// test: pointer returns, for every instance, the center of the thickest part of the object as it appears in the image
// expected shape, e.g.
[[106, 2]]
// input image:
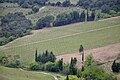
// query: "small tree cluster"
[[63, 19], [72, 68], [10, 61], [45, 57], [45, 22]]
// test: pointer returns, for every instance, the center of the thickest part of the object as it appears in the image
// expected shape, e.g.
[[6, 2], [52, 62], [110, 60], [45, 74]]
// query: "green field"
[[65, 40], [17, 74]]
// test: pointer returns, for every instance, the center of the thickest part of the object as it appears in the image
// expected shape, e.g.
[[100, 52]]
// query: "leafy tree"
[[14, 26], [92, 17], [35, 9], [116, 66], [26, 4], [82, 16], [89, 61], [45, 22], [60, 64], [92, 71], [58, 3], [79, 73], [105, 8], [75, 16], [51, 66], [34, 66], [72, 68], [62, 19], [66, 3]]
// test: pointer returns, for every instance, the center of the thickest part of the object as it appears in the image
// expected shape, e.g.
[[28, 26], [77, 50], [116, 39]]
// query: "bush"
[[35, 9], [72, 77], [51, 66], [15, 64], [34, 66], [116, 66]]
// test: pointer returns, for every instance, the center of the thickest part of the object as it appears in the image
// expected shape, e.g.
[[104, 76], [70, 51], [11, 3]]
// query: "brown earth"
[[102, 54]]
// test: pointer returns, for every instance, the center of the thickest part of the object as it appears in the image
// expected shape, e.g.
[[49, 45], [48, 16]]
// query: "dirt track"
[[102, 54]]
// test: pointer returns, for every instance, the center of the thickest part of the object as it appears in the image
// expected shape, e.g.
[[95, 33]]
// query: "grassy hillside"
[[67, 39], [50, 10], [17, 74]]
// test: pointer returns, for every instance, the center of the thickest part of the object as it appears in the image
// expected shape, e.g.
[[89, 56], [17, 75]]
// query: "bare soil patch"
[[102, 54]]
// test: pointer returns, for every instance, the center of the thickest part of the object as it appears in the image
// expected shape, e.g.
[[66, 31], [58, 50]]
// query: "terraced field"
[[65, 39]]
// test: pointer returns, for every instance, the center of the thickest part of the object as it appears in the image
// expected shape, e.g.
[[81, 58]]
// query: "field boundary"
[[4, 47]]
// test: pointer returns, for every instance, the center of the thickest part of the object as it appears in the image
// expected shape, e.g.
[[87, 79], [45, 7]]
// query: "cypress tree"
[[36, 60], [67, 78], [115, 67], [81, 50]]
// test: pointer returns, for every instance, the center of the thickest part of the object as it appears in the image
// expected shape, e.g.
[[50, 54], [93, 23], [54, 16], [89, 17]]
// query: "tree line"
[[104, 5], [46, 61], [64, 19]]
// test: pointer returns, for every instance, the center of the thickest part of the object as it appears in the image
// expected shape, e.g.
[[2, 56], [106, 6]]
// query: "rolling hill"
[[64, 40]]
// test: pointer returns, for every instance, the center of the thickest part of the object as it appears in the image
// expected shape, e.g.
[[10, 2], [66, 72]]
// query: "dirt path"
[[102, 54]]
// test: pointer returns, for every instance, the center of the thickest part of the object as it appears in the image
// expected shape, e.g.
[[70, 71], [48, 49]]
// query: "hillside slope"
[[65, 39]]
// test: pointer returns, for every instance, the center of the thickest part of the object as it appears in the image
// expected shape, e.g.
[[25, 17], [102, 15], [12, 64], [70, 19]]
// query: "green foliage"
[[66, 69], [66, 3], [79, 73], [116, 66], [36, 57], [34, 66], [35, 9], [45, 57], [44, 22], [89, 61], [72, 77], [51, 66], [81, 49], [113, 13], [60, 65], [10, 61], [82, 16], [104, 5], [92, 71], [14, 26], [72, 68], [62, 19]]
